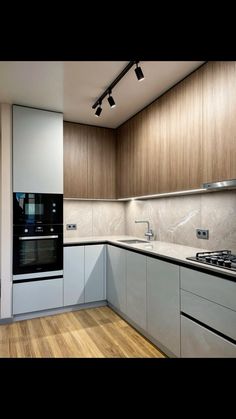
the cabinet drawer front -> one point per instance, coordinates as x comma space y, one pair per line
197, 341
38, 295
211, 287
212, 314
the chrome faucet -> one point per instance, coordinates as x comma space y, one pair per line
149, 232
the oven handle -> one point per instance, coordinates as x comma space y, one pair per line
38, 237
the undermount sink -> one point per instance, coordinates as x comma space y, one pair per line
133, 241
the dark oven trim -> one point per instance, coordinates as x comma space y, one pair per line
43, 278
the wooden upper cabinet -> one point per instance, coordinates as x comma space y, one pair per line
184, 138
219, 121
75, 160
125, 161
160, 149
180, 147
101, 163
89, 162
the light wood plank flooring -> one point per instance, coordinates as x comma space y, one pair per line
91, 333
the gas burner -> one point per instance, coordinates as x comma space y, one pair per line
221, 258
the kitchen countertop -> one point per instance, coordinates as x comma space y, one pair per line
163, 250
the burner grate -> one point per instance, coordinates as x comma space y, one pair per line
216, 253
218, 258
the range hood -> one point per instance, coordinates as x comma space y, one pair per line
223, 184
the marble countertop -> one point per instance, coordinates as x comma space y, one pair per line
171, 251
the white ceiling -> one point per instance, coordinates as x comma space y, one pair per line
72, 87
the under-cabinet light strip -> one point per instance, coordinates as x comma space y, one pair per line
144, 197
162, 195
91, 199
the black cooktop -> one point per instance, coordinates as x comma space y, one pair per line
221, 258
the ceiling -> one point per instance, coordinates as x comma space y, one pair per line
72, 87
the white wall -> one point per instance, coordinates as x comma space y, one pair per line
6, 210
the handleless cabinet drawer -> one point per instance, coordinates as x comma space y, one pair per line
214, 315
197, 341
214, 288
38, 295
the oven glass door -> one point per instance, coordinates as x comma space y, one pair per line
37, 254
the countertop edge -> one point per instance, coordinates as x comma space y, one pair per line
165, 258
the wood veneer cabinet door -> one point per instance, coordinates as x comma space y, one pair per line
75, 160
125, 161
101, 163
89, 161
180, 148
160, 149
219, 121
133, 157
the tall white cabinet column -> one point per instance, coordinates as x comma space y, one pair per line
37, 150
6, 210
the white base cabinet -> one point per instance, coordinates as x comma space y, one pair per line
73, 275
146, 290
198, 341
116, 277
136, 288
94, 263
209, 301
163, 307
37, 295
84, 274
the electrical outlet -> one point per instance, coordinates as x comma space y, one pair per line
71, 226
202, 234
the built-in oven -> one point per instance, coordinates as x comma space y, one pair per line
37, 208
38, 252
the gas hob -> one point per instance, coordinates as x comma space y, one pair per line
220, 258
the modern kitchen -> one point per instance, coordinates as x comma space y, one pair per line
118, 209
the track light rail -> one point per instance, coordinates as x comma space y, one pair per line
113, 84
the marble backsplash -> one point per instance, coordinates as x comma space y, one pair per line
173, 219
94, 218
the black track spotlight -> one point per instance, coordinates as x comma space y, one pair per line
98, 110
111, 100
139, 72
98, 103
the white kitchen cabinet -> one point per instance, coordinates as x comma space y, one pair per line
213, 315
209, 300
37, 295
136, 288
211, 287
95, 280
37, 150
73, 275
163, 307
197, 341
116, 277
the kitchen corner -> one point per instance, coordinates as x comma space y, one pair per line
118, 209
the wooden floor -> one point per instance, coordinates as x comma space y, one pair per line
91, 333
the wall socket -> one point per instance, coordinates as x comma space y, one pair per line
71, 226
202, 234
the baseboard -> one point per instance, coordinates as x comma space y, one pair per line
59, 310
6, 320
